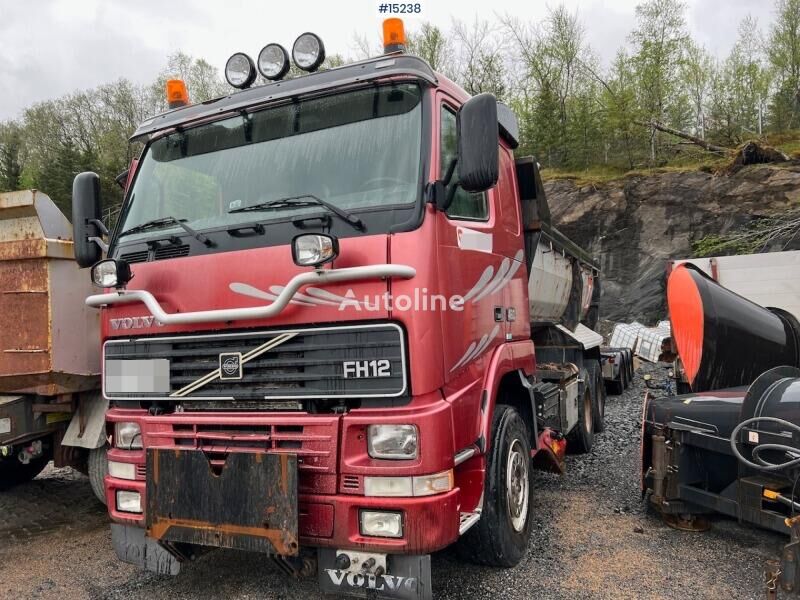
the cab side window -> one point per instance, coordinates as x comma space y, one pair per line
466, 205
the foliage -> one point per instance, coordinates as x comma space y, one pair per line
579, 117
760, 235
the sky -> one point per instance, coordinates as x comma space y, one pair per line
53, 47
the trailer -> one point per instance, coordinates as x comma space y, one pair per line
339, 326
51, 407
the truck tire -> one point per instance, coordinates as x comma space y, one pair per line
13, 472
500, 538
97, 471
623, 374
615, 386
581, 438
599, 406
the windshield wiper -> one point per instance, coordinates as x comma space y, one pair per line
166, 222
304, 200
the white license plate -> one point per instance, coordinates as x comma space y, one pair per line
137, 376
5, 425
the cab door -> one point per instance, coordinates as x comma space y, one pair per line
476, 263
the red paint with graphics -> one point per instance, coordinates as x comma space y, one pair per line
458, 366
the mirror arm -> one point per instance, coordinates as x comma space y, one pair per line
100, 226
122, 178
451, 194
451, 169
99, 242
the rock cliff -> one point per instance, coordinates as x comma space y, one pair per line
634, 225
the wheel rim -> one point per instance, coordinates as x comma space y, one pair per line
587, 411
517, 486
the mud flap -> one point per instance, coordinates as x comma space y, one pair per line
251, 504
133, 547
407, 578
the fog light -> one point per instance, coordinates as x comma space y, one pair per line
308, 52
314, 250
273, 61
122, 470
128, 436
129, 502
240, 71
111, 273
381, 524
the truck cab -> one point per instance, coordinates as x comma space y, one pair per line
316, 332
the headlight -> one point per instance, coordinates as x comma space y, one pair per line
273, 61
381, 524
240, 71
308, 52
313, 250
111, 273
394, 442
128, 436
130, 502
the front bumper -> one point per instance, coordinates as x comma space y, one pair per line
332, 521
332, 463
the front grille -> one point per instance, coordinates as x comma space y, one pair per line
359, 361
313, 439
171, 251
158, 253
135, 257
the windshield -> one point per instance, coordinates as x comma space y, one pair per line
355, 150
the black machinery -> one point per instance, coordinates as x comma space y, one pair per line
733, 445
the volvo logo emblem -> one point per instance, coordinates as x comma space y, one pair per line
230, 365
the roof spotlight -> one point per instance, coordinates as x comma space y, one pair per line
240, 71
273, 61
308, 52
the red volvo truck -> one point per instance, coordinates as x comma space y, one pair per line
338, 326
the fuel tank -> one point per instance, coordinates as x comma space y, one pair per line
723, 339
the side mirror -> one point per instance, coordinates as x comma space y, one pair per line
478, 141
86, 224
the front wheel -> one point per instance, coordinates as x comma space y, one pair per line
500, 538
97, 471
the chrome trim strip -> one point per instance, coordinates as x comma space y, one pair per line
464, 455
256, 334
255, 312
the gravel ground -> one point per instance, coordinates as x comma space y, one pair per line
594, 538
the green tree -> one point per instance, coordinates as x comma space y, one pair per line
659, 41
784, 56
10, 156
431, 44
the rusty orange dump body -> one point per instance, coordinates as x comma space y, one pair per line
47, 335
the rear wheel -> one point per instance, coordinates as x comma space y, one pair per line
581, 438
500, 538
97, 471
13, 472
599, 406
